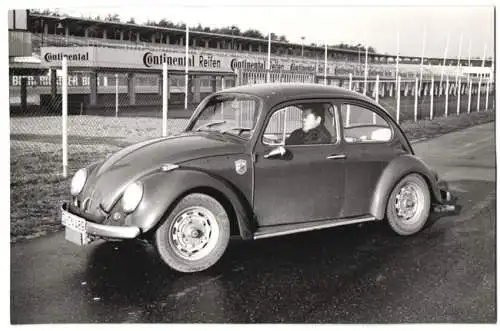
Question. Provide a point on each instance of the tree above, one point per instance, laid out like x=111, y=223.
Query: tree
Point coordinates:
x=230, y=31
x=282, y=38
x=131, y=21
x=164, y=23
x=197, y=28
x=274, y=37
x=357, y=47
x=253, y=34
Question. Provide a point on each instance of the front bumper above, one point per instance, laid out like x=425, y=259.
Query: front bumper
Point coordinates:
x=448, y=204
x=91, y=230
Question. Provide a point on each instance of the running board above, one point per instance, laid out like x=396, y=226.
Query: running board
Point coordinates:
x=281, y=230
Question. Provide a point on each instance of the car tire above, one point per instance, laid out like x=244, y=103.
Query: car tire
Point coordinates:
x=194, y=236
x=409, y=204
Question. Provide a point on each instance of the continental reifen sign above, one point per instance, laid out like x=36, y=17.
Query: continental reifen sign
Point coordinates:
x=117, y=58
x=77, y=56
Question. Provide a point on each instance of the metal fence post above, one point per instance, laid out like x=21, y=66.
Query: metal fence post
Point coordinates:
x=417, y=91
x=186, y=69
x=479, y=92
x=377, y=80
x=446, y=93
x=65, y=115
x=432, y=98
x=458, y=95
x=223, y=86
x=326, y=64
x=348, y=115
x=487, y=94
x=116, y=95
x=165, y=98
x=398, y=97
x=470, y=95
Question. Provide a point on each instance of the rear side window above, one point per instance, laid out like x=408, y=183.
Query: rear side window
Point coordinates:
x=362, y=125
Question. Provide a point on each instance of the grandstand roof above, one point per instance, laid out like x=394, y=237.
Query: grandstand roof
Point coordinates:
x=192, y=32
x=87, y=22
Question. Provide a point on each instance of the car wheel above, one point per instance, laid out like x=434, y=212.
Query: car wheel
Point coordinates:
x=409, y=205
x=195, y=234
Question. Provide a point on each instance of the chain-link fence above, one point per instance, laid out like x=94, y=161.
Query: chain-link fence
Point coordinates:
x=429, y=98
x=106, y=111
x=250, y=77
x=109, y=110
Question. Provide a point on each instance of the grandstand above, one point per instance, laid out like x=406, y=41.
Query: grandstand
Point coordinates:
x=118, y=55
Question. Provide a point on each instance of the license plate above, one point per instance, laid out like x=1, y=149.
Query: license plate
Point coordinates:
x=75, y=228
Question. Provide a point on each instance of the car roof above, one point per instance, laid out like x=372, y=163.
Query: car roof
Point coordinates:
x=276, y=93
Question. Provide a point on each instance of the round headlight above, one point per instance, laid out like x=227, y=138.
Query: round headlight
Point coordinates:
x=78, y=181
x=132, y=196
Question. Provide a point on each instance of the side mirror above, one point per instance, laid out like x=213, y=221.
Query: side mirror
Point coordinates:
x=280, y=150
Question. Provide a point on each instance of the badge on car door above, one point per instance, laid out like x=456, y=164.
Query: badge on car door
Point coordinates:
x=240, y=166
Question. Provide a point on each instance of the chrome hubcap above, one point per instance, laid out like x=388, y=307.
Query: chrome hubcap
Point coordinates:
x=407, y=202
x=194, y=233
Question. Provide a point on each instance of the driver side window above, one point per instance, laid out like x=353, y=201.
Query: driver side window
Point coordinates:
x=363, y=125
x=302, y=124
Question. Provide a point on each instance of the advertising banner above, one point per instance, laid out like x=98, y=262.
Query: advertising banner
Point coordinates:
x=198, y=60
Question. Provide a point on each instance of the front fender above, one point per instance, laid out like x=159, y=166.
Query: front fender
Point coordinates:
x=163, y=189
x=395, y=171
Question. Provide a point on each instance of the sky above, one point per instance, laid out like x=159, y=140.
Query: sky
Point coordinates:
x=376, y=26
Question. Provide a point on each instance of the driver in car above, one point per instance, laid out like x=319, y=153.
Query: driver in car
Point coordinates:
x=313, y=129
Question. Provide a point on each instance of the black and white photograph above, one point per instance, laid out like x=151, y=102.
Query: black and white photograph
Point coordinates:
x=251, y=163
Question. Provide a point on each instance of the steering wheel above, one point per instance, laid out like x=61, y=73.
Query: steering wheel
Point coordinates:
x=271, y=141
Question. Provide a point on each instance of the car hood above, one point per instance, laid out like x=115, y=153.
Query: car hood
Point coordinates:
x=107, y=180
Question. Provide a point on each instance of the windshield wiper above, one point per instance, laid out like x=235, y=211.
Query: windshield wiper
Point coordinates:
x=208, y=125
x=238, y=135
x=240, y=130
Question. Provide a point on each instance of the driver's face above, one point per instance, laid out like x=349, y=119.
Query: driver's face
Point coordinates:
x=309, y=120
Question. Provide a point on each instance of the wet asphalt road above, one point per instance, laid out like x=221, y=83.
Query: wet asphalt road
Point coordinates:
x=353, y=274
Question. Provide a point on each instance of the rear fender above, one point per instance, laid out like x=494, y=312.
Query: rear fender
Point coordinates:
x=395, y=171
x=162, y=190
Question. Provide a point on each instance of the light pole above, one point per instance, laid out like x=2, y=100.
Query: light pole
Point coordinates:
x=43, y=30
x=359, y=55
x=60, y=27
x=302, y=45
x=232, y=37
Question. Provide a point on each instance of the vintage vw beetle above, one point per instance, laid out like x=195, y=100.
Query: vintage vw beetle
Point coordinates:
x=232, y=171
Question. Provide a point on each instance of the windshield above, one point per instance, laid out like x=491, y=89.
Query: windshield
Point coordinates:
x=229, y=114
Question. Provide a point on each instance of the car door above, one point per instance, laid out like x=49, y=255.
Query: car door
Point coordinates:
x=369, y=143
x=307, y=182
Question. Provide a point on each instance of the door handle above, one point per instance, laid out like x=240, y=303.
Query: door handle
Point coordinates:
x=336, y=157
